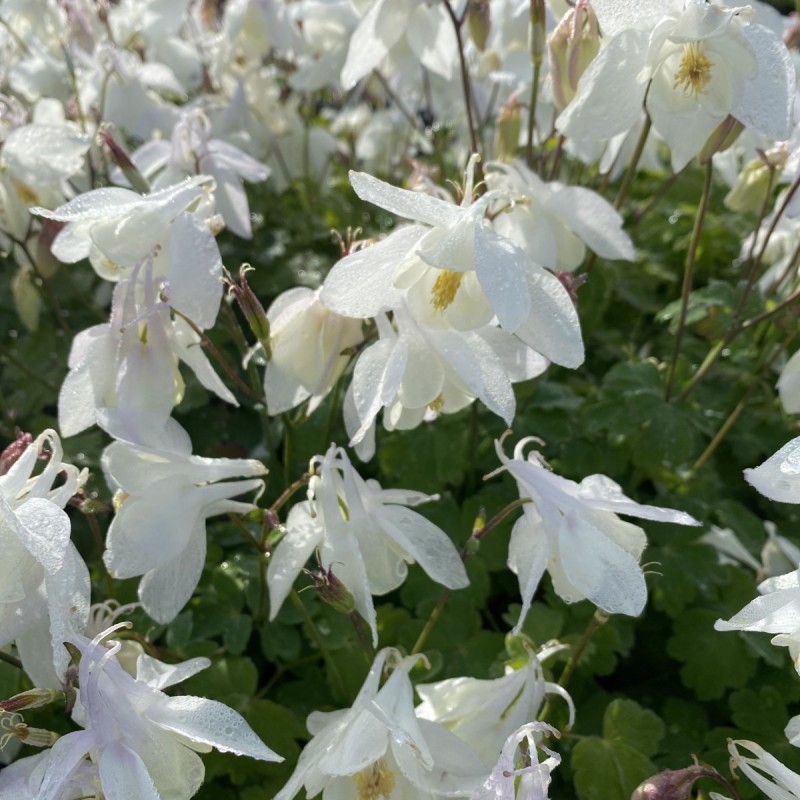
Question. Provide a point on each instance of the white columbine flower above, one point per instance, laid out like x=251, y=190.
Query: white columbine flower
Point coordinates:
x=509, y=781
x=775, y=780
x=307, y=341
x=484, y=713
x=572, y=530
x=143, y=743
x=365, y=534
x=192, y=151
x=692, y=64
x=455, y=271
x=44, y=584
x=164, y=496
x=378, y=748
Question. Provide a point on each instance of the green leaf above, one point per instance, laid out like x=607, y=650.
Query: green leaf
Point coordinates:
x=702, y=650
x=611, y=767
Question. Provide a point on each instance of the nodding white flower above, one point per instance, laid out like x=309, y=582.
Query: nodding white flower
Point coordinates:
x=144, y=744
x=378, y=748
x=118, y=229
x=388, y=25
x=44, y=584
x=484, y=713
x=164, y=496
x=775, y=780
x=131, y=363
x=364, y=534
x=572, y=530
x=692, y=64
x=192, y=151
x=528, y=782
x=455, y=272
x=308, y=343
x=414, y=373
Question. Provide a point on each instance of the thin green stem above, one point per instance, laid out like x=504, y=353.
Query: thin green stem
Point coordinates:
x=336, y=676
x=473, y=133
x=688, y=277
x=630, y=172
x=9, y=659
x=430, y=624
x=537, y=68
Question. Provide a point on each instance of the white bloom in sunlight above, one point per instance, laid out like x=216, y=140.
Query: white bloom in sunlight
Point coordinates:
x=455, y=271
x=508, y=781
x=192, y=151
x=390, y=24
x=484, y=713
x=775, y=780
x=44, y=594
x=778, y=555
x=117, y=229
x=307, y=341
x=364, y=534
x=778, y=478
x=555, y=221
x=164, y=496
x=777, y=610
x=378, y=748
x=789, y=385
x=692, y=64
x=131, y=363
x=572, y=530
x=415, y=373
x=144, y=743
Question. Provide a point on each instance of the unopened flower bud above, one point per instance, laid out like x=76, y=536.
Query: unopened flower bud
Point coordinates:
x=479, y=22
x=121, y=158
x=251, y=307
x=538, y=38
x=572, y=46
x=751, y=187
x=673, y=784
x=33, y=698
x=726, y=133
x=11, y=454
x=333, y=591
x=507, y=130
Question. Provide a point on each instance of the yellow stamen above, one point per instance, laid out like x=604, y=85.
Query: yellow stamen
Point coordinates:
x=26, y=194
x=445, y=288
x=694, y=71
x=375, y=781
x=437, y=404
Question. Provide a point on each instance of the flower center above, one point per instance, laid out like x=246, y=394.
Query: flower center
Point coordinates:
x=375, y=781
x=445, y=288
x=437, y=404
x=694, y=71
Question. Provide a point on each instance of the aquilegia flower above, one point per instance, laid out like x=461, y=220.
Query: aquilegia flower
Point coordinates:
x=572, y=530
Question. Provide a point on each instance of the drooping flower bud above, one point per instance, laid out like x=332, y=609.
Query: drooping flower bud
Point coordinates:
x=479, y=22
x=121, y=158
x=332, y=590
x=572, y=46
x=751, y=187
x=726, y=133
x=11, y=454
x=673, y=784
x=251, y=307
x=507, y=130
x=33, y=698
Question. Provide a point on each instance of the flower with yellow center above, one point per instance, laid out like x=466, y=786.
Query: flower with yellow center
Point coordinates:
x=380, y=750
x=691, y=65
x=694, y=72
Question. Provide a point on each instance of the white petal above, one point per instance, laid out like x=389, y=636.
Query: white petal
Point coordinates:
x=779, y=476
x=159, y=675
x=378, y=31
x=501, y=267
x=211, y=723
x=360, y=285
x=123, y=774
x=528, y=554
x=409, y=205
x=42, y=528
x=427, y=544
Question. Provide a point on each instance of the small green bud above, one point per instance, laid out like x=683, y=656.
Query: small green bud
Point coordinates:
x=33, y=698
x=726, y=133
x=121, y=158
x=507, y=130
x=251, y=307
x=750, y=190
x=479, y=22
x=333, y=591
x=572, y=46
